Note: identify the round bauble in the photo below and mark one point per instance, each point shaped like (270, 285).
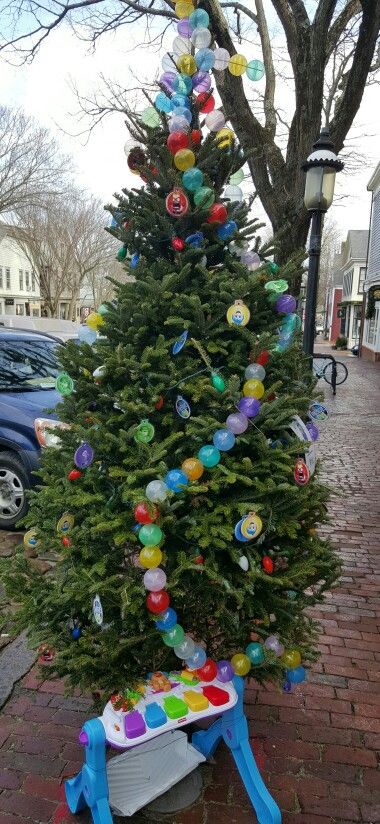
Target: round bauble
(241, 664)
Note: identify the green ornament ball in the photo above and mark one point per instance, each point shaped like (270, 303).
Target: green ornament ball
(150, 535)
(237, 177)
(103, 309)
(64, 384)
(218, 382)
(150, 117)
(174, 636)
(204, 197)
(276, 286)
(273, 268)
(122, 253)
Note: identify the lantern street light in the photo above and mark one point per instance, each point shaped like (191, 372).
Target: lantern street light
(321, 168)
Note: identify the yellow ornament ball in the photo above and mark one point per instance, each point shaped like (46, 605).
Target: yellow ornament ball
(150, 556)
(94, 320)
(253, 388)
(237, 64)
(183, 9)
(225, 138)
(291, 658)
(184, 159)
(193, 468)
(240, 663)
(186, 64)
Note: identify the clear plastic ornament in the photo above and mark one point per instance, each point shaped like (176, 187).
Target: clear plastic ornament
(215, 120)
(181, 45)
(131, 144)
(201, 38)
(178, 124)
(237, 177)
(233, 193)
(238, 248)
(222, 58)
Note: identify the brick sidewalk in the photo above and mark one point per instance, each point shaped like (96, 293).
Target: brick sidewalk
(317, 748)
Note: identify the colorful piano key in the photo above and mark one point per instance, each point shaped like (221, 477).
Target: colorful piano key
(155, 716)
(134, 724)
(216, 696)
(174, 707)
(195, 700)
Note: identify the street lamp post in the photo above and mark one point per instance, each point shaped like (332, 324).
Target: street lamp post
(321, 168)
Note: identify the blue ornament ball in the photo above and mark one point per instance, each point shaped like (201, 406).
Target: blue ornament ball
(87, 335)
(287, 686)
(255, 652)
(209, 455)
(205, 59)
(199, 19)
(195, 240)
(192, 179)
(183, 111)
(197, 659)
(224, 439)
(176, 480)
(134, 260)
(180, 101)
(227, 229)
(167, 620)
(182, 84)
(296, 676)
(76, 632)
(163, 103)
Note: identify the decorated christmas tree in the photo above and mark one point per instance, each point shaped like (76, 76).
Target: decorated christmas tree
(180, 503)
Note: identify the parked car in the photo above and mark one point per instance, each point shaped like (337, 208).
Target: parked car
(64, 330)
(28, 369)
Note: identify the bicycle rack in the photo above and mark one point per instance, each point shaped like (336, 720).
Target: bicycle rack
(321, 356)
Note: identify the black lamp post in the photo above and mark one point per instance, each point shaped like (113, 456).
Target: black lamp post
(321, 168)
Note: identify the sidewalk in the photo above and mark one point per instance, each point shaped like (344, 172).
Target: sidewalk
(318, 747)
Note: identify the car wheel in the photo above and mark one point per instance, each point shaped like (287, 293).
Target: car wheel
(14, 482)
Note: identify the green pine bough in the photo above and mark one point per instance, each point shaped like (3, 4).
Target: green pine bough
(217, 601)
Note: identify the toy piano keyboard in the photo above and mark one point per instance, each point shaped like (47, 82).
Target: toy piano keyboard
(182, 700)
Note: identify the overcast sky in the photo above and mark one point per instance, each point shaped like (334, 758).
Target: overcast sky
(43, 90)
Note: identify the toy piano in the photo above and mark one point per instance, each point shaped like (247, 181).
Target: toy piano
(165, 703)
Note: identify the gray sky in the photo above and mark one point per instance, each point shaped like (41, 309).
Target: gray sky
(43, 90)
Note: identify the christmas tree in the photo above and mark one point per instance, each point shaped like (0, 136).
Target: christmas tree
(181, 502)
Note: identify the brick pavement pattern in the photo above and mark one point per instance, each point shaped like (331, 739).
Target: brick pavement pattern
(318, 747)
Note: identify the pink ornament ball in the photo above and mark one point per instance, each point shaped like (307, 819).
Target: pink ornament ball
(154, 579)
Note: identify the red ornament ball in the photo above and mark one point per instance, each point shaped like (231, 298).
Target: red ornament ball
(126, 224)
(209, 670)
(145, 514)
(267, 564)
(206, 102)
(196, 137)
(199, 559)
(217, 214)
(74, 474)
(177, 141)
(178, 244)
(158, 601)
(263, 358)
(66, 541)
(159, 403)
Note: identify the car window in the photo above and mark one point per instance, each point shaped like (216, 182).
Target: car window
(28, 364)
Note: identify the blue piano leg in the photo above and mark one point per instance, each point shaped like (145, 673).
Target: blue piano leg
(90, 787)
(233, 728)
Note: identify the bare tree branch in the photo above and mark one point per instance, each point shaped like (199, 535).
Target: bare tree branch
(351, 8)
(270, 76)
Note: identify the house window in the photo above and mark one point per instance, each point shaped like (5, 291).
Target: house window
(27, 281)
(347, 284)
(372, 327)
(7, 278)
(20, 309)
(362, 272)
(33, 281)
(1, 277)
(35, 313)
(21, 279)
(356, 323)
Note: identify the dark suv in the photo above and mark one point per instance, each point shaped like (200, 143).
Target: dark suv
(28, 369)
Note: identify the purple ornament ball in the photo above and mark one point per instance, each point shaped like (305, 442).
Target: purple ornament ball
(274, 645)
(167, 79)
(237, 423)
(249, 407)
(313, 429)
(286, 304)
(225, 671)
(201, 82)
(183, 27)
(287, 686)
